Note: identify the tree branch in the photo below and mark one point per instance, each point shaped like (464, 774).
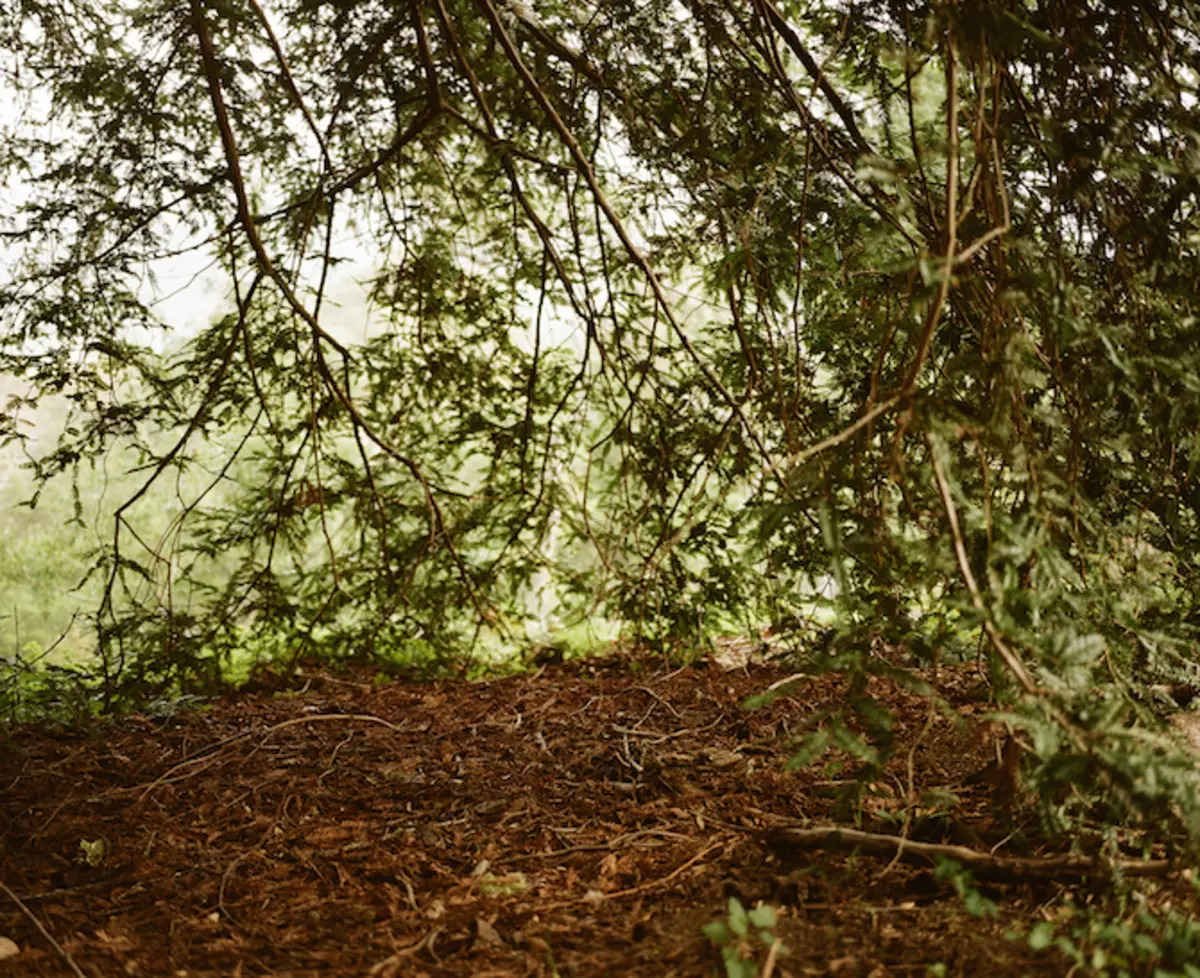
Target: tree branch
(985, 866)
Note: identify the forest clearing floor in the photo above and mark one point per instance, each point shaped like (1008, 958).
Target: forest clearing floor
(586, 819)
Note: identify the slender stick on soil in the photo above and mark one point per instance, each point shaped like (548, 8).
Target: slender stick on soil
(650, 885)
(772, 956)
(405, 952)
(1005, 869)
(209, 753)
(63, 952)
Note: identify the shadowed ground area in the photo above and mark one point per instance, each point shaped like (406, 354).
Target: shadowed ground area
(587, 819)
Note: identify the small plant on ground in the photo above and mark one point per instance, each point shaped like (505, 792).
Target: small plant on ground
(976, 904)
(742, 936)
(1134, 939)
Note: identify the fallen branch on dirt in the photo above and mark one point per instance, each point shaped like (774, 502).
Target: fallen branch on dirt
(390, 965)
(62, 951)
(662, 881)
(620, 842)
(210, 752)
(596, 897)
(985, 866)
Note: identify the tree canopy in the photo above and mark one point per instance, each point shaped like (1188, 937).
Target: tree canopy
(872, 322)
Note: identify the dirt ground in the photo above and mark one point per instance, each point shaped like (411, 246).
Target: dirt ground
(586, 819)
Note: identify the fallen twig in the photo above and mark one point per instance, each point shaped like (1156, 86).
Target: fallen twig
(612, 845)
(62, 951)
(772, 956)
(207, 754)
(393, 961)
(649, 692)
(641, 887)
(1006, 869)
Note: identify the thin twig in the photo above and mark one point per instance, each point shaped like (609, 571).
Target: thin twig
(653, 695)
(1009, 657)
(63, 952)
(796, 458)
(212, 752)
(437, 526)
(586, 170)
(612, 845)
(817, 73)
(951, 221)
(405, 952)
(772, 954)
(642, 887)
(910, 799)
(984, 865)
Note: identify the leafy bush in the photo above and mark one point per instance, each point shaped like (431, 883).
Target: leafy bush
(738, 935)
(1138, 939)
(875, 326)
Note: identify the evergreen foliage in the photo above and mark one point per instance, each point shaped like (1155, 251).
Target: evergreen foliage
(877, 315)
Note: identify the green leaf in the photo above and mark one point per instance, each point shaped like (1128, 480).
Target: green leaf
(1147, 945)
(1041, 935)
(738, 921)
(853, 744)
(717, 932)
(977, 904)
(946, 869)
(810, 749)
(735, 965)
(762, 916)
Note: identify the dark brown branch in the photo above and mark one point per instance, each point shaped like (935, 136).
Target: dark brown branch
(822, 136)
(590, 70)
(62, 951)
(933, 317)
(836, 102)
(786, 842)
(1007, 655)
(196, 420)
(267, 266)
(584, 166)
(290, 82)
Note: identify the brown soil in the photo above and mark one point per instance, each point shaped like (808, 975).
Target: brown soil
(585, 820)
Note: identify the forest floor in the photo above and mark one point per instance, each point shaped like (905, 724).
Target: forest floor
(585, 819)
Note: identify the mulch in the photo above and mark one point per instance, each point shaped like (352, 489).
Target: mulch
(586, 819)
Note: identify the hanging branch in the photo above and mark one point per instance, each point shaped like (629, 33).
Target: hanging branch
(836, 102)
(213, 75)
(951, 222)
(618, 226)
(1009, 657)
